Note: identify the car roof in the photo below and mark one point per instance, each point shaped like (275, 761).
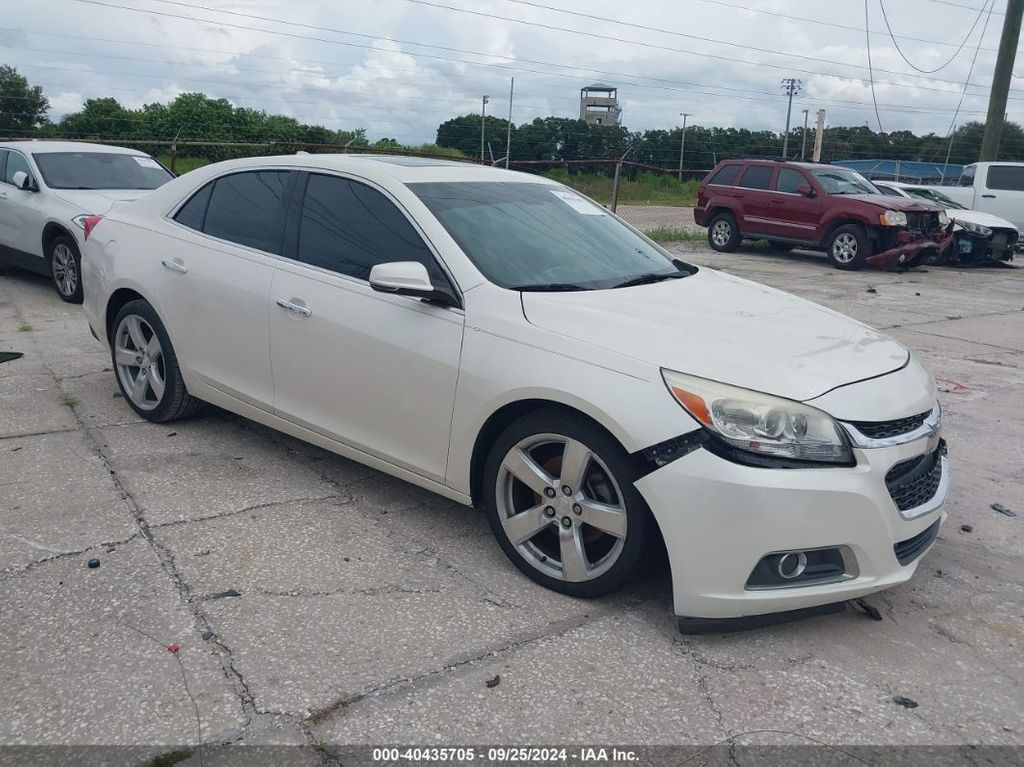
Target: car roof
(402, 168)
(36, 146)
(785, 163)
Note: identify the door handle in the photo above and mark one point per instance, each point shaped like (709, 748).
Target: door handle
(778, 202)
(175, 266)
(293, 308)
(3, 195)
(989, 196)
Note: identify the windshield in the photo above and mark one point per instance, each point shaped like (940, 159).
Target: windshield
(538, 236)
(837, 181)
(932, 196)
(100, 170)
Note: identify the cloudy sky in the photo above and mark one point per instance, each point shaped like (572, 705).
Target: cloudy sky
(399, 67)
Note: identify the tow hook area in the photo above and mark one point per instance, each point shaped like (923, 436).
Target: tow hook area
(905, 256)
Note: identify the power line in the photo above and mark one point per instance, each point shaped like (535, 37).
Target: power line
(911, 64)
(867, 38)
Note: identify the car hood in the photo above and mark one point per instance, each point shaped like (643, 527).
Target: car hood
(726, 329)
(97, 201)
(891, 202)
(982, 219)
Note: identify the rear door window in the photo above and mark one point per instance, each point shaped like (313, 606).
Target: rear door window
(789, 181)
(1008, 177)
(757, 177)
(248, 209)
(726, 176)
(193, 212)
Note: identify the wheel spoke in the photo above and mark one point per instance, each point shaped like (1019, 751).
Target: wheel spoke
(574, 559)
(127, 357)
(156, 383)
(526, 524)
(135, 331)
(526, 470)
(575, 461)
(153, 347)
(138, 390)
(606, 518)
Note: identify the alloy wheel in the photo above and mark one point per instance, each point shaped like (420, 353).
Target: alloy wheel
(844, 248)
(65, 270)
(720, 233)
(561, 507)
(139, 358)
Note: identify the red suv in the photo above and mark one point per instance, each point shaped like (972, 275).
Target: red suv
(821, 207)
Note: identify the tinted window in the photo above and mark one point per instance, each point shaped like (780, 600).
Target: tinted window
(789, 180)
(1009, 177)
(247, 208)
(193, 213)
(757, 177)
(348, 227)
(100, 170)
(726, 176)
(15, 162)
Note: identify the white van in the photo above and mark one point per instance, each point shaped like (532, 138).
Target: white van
(992, 187)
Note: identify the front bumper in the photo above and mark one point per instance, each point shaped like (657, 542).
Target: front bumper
(910, 252)
(719, 519)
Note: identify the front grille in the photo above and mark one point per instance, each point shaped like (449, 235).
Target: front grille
(914, 482)
(909, 550)
(886, 429)
(922, 222)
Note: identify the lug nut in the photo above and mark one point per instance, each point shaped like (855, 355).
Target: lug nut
(566, 490)
(549, 492)
(549, 511)
(566, 522)
(577, 509)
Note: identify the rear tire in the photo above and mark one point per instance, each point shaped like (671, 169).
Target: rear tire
(146, 366)
(723, 234)
(581, 529)
(849, 247)
(65, 264)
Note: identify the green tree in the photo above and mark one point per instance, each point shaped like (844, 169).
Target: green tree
(22, 106)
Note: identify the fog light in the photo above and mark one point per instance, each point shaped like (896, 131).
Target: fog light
(791, 565)
(903, 257)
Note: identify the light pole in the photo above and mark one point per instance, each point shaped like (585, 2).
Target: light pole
(682, 144)
(483, 122)
(803, 143)
(791, 86)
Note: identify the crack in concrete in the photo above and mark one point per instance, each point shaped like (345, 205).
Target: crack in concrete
(36, 433)
(369, 592)
(13, 572)
(250, 509)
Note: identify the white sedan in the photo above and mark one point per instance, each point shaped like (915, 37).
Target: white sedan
(501, 340)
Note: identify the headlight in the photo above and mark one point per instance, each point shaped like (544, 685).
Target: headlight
(760, 423)
(80, 220)
(943, 219)
(893, 218)
(978, 229)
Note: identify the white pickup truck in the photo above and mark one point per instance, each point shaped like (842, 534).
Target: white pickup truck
(991, 187)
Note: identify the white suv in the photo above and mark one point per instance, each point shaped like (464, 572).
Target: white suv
(49, 189)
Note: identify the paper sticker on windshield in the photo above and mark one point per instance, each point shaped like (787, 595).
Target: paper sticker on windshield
(577, 203)
(146, 162)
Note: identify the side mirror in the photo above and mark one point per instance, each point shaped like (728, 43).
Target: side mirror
(22, 180)
(407, 278)
(805, 190)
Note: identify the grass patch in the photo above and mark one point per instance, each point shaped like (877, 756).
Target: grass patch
(171, 758)
(183, 164)
(671, 234)
(69, 401)
(25, 327)
(646, 188)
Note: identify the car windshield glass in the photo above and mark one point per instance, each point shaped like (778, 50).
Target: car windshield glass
(836, 181)
(933, 196)
(100, 170)
(543, 237)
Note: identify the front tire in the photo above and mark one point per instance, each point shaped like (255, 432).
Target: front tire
(723, 234)
(66, 268)
(559, 495)
(146, 366)
(849, 247)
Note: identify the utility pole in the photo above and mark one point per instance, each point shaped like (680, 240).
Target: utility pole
(1001, 80)
(508, 138)
(682, 144)
(483, 122)
(791, 86)
(819, 135)
(803, 142)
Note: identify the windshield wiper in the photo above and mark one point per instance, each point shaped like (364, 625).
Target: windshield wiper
(647, 279)
(549, 287)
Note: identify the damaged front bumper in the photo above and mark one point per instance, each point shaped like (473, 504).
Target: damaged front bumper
(910, 252)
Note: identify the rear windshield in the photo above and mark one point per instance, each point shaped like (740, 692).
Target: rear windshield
(100, 170)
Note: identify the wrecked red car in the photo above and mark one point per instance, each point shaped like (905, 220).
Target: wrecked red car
(818, 207)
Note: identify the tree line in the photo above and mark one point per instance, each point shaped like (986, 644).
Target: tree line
(554, 140)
